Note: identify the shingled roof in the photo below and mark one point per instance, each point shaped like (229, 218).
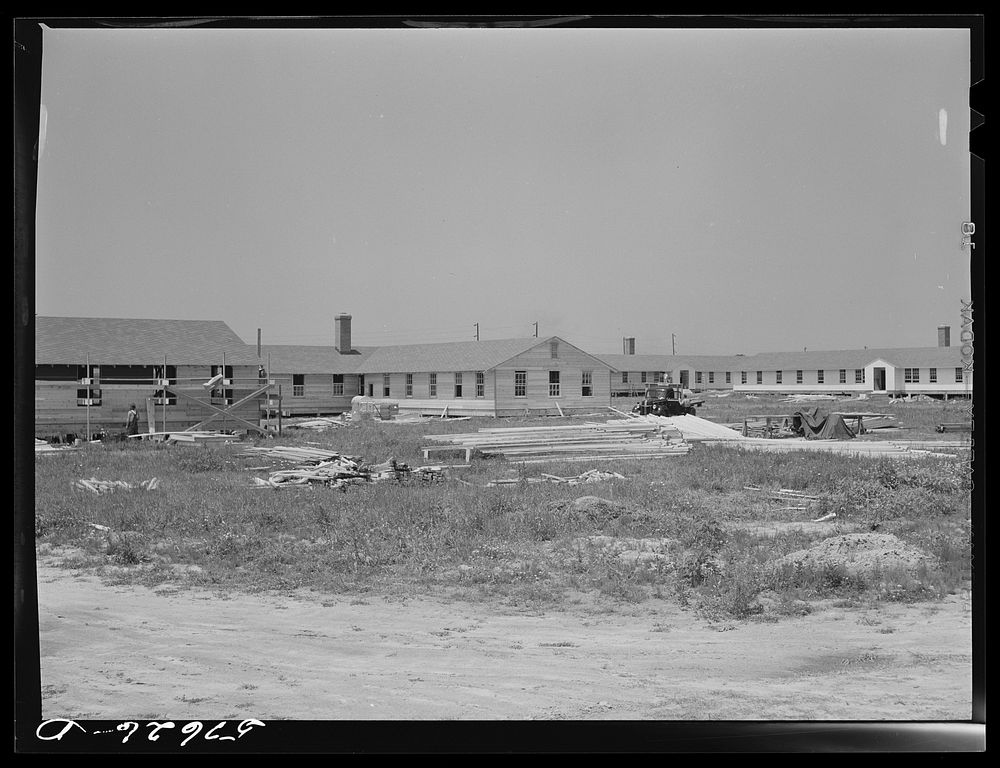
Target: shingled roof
(452, 355)
(295, 358)
(911, 357)
(130, 341)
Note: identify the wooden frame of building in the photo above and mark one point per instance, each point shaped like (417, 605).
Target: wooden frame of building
(89, 370)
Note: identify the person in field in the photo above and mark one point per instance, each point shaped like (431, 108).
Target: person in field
(132, 421)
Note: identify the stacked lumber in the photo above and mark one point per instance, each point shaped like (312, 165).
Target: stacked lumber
(616, 439)
(200, 438)
(108, 486)
(692, 428)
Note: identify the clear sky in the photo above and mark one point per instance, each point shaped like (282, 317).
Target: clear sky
(746, 190)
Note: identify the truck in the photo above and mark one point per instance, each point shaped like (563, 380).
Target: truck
(667, 400)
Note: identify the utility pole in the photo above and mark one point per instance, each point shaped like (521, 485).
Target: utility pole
(673, 343)
(477, 331)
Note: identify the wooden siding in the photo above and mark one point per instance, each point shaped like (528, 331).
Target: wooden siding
(317, 398)
(537, 362)
(57, 412)
(421, 388)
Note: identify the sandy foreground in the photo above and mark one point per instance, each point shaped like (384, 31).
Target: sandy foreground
(114, 652)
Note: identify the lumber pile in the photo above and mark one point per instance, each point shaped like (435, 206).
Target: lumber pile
(108, 486)
(298, 454)
(693, 428)
(615, 439)
(200, 438)
(319, 424)
(336, 471)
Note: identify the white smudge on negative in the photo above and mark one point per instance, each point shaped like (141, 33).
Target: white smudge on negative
(943, 126)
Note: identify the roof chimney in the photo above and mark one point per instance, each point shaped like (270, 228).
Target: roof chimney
(628, 345)
(342, 333)
(944, 336)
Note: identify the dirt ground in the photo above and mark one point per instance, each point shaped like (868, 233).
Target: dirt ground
(113, 652)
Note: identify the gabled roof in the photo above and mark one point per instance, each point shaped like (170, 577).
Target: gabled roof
(295, 358)
(642, 362)
(130, 341)
(912, 357)
(673, 362)
(453, 355)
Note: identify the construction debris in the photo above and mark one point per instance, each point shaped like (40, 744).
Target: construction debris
(632, 438)
(342, 471)
(590, 476)
(108, 486)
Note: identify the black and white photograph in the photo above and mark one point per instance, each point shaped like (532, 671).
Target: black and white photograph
(508, 370)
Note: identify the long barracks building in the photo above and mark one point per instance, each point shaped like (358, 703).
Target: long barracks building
(181, 373)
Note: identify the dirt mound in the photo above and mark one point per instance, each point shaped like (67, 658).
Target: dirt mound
(592, 508)
(858, 553)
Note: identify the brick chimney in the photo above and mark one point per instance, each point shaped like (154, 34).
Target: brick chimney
(944, 336)
(342, 333)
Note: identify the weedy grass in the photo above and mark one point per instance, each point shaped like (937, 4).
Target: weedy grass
(207, 525)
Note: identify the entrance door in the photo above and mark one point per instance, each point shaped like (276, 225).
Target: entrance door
(878, 379)
(684, 379)
(371, 390)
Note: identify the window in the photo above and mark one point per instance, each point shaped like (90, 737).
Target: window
(385, 385)
(729, 378)
(859, 376)
(911, 375)
(553, 383)
(432, 385)
(298, 384)
(587, 384)
(554, 349)
(958, 376)
(658, 377)
(777, 377)
(743, 377)
(642, 377)
(760, 377)
(697, 377)
(158, 398)
(480, 384)
(798, 377)
(711, 377)
(458, 384)
(408, 391)
(819, 376)
(338, 384)
(932, 375)
(520, 383)
(85, 397)
(624, 377)
(843, 375)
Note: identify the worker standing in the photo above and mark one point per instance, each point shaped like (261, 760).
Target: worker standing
(132, 421)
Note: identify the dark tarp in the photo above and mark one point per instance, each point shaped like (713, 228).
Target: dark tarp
(821, 426)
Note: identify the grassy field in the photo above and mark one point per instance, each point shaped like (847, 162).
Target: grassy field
(683, 527)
